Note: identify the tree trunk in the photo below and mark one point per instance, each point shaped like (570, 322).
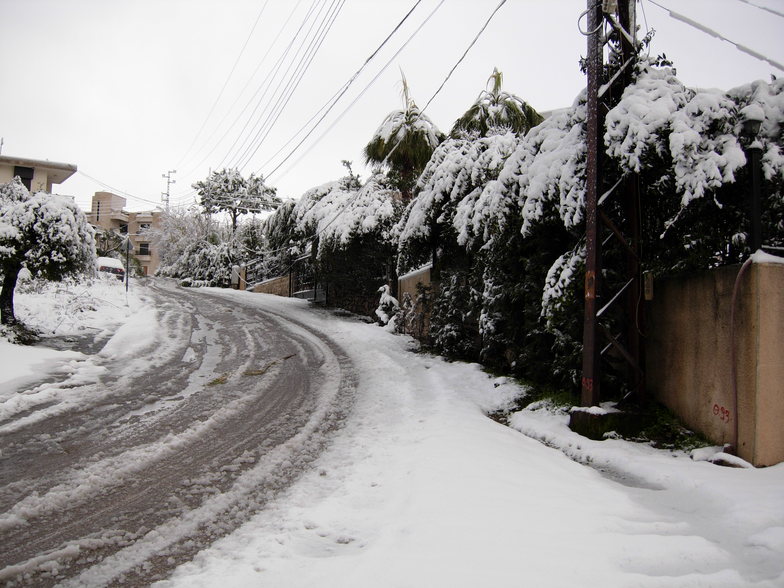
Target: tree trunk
(10, 274)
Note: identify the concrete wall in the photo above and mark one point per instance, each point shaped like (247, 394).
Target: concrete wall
(418, 324)
(154, 219)
(45, 174)
(408, 282)
(108, 213)
(689, 360)
(39, 183)
(278, 286)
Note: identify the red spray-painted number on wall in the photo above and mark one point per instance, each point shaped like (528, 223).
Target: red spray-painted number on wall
(721, 412)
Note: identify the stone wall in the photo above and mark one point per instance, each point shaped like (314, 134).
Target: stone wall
(279, 286)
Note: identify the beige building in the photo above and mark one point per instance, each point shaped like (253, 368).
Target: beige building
(36, 175)
(108, 213)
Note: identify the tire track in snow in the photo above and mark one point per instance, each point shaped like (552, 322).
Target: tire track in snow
(179, 478)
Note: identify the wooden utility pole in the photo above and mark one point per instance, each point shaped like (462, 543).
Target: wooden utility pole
(626, 344)
(590, 379)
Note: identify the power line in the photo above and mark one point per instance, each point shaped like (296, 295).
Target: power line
(117, 191)
(358, 193)
(220, 125)
(300, 74)
(342, 114)
(771, 10)
(225, 83)
(459, 61)
(287, 84)
(337, 96)
(266, 86)
(712, 33)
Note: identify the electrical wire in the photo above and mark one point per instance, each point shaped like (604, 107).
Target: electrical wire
(267, 86)
(339, 94)
(286, 77)
(356, 99)
(771, 10)
(350, 201)
(225, 83)
(647, 29)
(228, 128)
(116, 191)
(290, 88)
(293, 88)
(579, 20)
(459, 61)
(708, 31)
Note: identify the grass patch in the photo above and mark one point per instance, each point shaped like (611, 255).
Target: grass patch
(222, 379)
(262, 371)
(652, 424)
(663, 430)
(557, 396)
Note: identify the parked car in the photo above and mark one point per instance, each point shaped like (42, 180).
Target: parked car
(110, 265)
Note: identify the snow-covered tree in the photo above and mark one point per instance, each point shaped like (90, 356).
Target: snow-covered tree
(496, 111)
(228, 191)
(179, 229)
(348, 227)
(45, 233)
(505, 214)
(403, 144)
(351, 226)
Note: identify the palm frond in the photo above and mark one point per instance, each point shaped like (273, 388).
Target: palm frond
(496, 111)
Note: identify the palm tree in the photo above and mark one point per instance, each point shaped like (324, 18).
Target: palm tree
(403, 144)
(496, 111)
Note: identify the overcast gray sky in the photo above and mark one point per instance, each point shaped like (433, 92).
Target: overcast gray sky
(123, 88)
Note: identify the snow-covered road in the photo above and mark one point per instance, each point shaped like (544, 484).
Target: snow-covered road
(144, 454)
(418, 487)
(421, 488)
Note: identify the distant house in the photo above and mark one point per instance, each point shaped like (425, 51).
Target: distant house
(36, 175)
(108, 213)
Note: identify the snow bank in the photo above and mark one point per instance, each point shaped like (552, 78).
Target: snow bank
(62, 312)
(22, 364)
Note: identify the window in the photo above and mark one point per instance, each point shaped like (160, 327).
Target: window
(144, 227)
(25, 174)
(144, 248)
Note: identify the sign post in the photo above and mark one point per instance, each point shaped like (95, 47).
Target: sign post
(128, 247)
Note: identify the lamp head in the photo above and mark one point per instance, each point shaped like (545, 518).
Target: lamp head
(751, 118)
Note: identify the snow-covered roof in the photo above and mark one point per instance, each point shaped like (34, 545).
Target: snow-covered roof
(56, 171)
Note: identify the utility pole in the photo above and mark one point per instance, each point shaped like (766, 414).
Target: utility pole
(169, 182)
(622, 333)
(590, 381)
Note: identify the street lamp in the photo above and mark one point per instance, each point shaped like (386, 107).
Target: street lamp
(751, 120)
